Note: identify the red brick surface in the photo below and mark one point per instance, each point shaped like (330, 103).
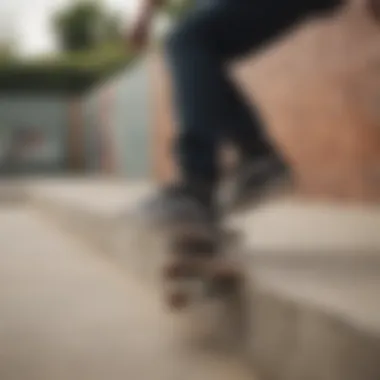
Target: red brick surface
(319, 92)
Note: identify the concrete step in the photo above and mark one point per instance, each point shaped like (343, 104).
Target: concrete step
(12, 191)
(313, 276)
(89, 208)
(66, 314)
(309, 305)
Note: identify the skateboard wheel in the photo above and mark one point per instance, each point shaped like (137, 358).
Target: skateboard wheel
(227, 277)
(178, 300)
(178, 270)
(173, 271)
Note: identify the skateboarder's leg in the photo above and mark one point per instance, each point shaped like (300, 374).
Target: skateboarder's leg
(208, 105)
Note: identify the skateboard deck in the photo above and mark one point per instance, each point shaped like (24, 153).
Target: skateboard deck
(200, 266)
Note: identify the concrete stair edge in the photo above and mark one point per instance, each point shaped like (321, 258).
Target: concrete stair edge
(12, 191)
(285, 338)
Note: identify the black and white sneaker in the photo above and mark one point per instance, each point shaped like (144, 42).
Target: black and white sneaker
(189, 208)
(255, 179)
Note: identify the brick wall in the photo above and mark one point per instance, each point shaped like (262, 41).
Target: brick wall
(319, 92)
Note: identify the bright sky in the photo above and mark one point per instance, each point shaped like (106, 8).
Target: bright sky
(30, 21)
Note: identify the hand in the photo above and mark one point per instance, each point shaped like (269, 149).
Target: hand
(139, 36)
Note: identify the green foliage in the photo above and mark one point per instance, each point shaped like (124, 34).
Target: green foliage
(68, 74)
(92, 49)
(89, 58)
(85, 24)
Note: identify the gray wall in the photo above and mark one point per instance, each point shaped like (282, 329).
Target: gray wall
(92, 127)
(46, 115)
(120, 107)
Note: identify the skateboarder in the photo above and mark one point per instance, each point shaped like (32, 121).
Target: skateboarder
(209, 105)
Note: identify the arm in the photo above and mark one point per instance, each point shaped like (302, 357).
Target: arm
(140, 32)
(148, 9)
(150, 6)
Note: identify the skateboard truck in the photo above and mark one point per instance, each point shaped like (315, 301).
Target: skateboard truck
(201, 260)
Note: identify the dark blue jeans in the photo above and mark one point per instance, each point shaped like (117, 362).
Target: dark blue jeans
(210, 108)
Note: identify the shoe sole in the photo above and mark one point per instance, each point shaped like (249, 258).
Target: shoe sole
(272, 187)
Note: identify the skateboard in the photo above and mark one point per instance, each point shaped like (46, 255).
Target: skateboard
(200, 266)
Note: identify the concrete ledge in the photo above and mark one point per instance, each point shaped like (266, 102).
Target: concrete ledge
(304, 228)
(309, 308)
(290, 340)
(313, 285)
(89, 208)
(12, 191)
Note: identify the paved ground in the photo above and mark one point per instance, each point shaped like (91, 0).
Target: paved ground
(307, 251)
(67, 315)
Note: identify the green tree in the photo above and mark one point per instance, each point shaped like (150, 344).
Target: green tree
(85, 24)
